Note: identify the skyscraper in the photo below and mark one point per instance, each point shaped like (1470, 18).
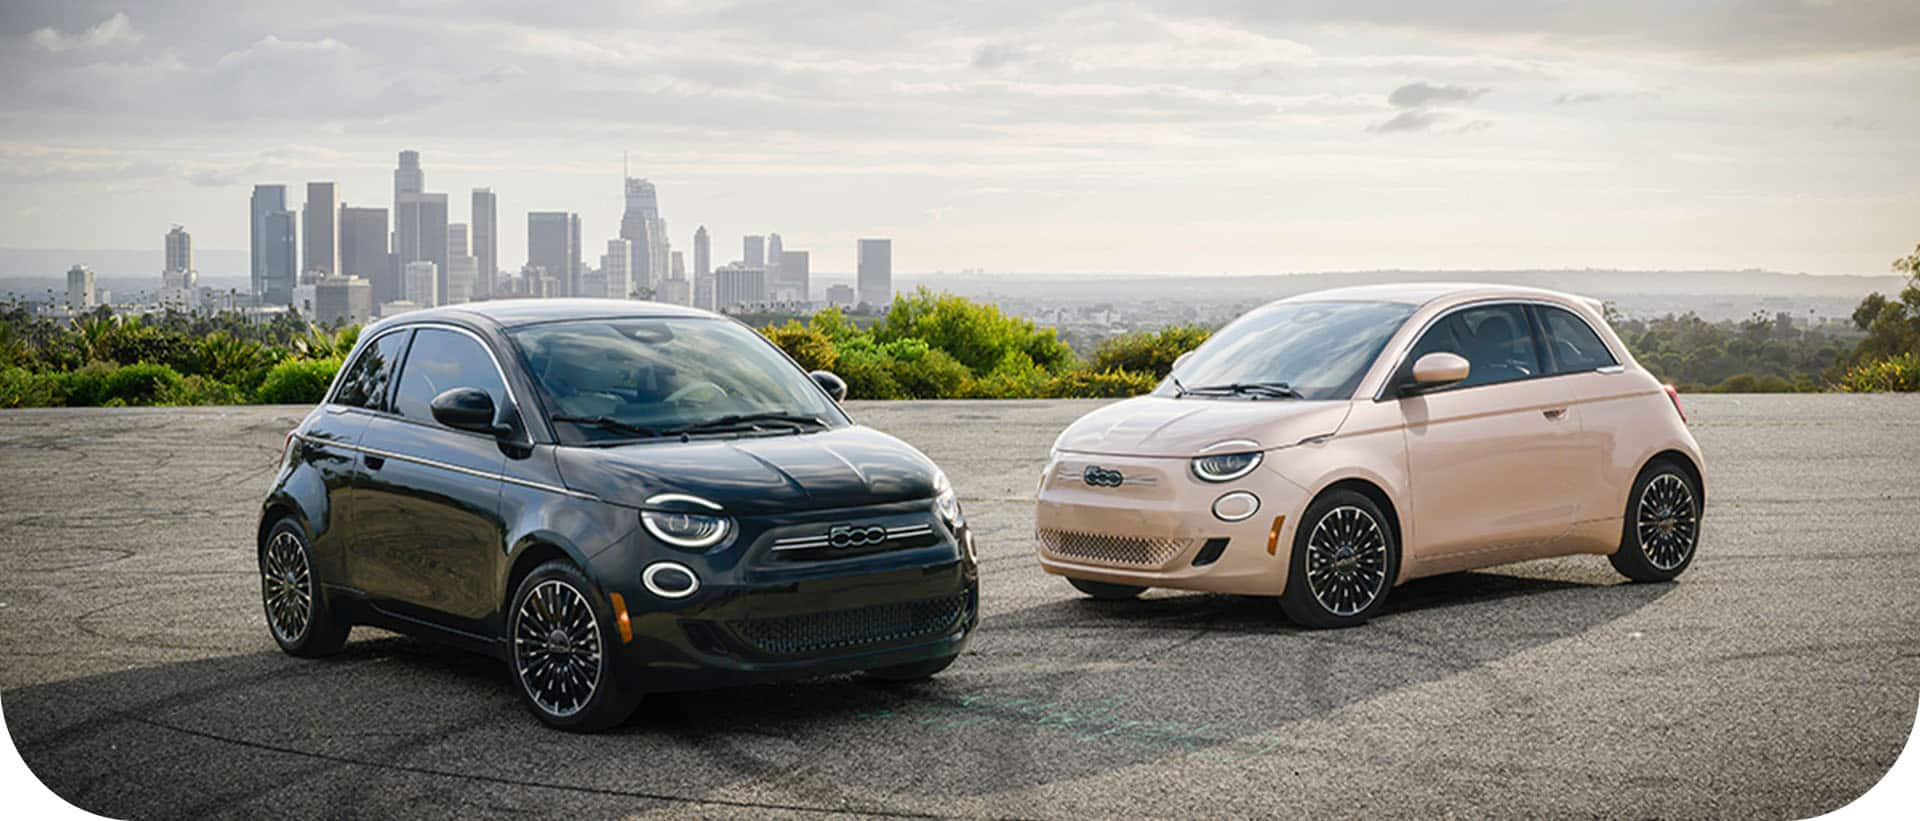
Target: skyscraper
(408, 178)
(80, 292)
(178, 280)
(339, 300)
(363, 251)
(753, 251)
(273, 245)
(575, 260)
(642, 226)
(774, 249)
(462, 267)
(420, 233)
(795, 271)
(422, 283)
(486, 241)
(550, 247)
(702, 253)
(614, 269)
(179, 250)
(322, 218)
(738, 284)
(876, 272)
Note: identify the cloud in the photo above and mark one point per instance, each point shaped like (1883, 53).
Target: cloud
(1417, 119)
(114, 31)
(1415, 95)
(990, 56)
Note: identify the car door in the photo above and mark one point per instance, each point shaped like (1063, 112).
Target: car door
(1606, 401)
(427, 507)
(330, 444)
(1489, 459)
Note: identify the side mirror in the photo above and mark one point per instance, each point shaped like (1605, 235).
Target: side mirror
(1439, 368)
(1180, 360)
(833, 385)
(469, 409)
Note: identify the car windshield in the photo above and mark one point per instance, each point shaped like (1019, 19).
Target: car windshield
(1289, 350)
(624, 379)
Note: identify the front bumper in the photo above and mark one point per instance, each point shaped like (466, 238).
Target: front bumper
(1154, 528)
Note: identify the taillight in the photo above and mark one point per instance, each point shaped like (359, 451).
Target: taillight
(1674, 395)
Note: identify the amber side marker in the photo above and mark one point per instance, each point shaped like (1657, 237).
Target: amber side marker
(620, 616)
(1273, 536)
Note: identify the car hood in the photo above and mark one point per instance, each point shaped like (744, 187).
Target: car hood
(1163, 426)
(845, 467)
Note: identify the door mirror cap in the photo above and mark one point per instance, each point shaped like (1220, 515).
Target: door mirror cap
(1180, 360)
(469, 409)
(1439, 368)
(833, 385)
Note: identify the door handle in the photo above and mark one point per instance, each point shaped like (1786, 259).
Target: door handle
(1554, 414)
(374, 462)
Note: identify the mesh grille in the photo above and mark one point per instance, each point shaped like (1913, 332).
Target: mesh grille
(845, 629)
(1105, 549)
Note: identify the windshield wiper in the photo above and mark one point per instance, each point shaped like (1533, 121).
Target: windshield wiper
(748, 420)
(608, 423)
(1279, 390)
(1179, 390)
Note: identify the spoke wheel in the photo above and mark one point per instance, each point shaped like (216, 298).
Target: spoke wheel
(1346, 560)
(286, 586)
(556, 648)
(1666, 522)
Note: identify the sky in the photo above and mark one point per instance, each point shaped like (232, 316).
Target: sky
(1194, 137)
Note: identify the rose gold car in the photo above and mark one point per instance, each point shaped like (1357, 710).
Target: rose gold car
(1327, 447)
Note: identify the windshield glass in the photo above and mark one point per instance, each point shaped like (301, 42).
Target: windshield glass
(1318, 349)
(624, 379)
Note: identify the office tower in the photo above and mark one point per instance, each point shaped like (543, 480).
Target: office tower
(80, 293)
(703, 292)
(274, 248)
(363, 251)
(422, 283)
(796, 268)
(642, 225)
(876, 272)
(551, 247)
(322, 225)
(677, 266)
(576, 262)
(738, 284)
(178, 280)
(486, 241)
(615, 271)
(420, 233)
(840, 296)
(702, 253)
(462, 267)
(179, 250)
(457, 239)
(408, 178)
(342, 300)
(753, 251)
(774, 250)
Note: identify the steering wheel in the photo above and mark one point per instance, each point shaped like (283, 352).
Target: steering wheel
(686, 391)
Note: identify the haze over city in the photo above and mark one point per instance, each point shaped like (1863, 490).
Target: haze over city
(1150, 138)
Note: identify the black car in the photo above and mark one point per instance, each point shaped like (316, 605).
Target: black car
(615, 498)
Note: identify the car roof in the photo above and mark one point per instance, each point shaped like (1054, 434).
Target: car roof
(1422, 293)
(508, 313)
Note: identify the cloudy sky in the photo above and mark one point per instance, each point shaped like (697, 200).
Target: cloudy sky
(1178, 137)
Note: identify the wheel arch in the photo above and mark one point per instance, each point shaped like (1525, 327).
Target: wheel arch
(1685, 462)
(533, 550)
(1379, 496)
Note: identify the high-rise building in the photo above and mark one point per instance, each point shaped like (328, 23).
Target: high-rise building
(792, 284)
(178, 280)
(81, 295)
(840, 296)
(342, 300)
(462, 267)
(408, 178)
(486, 241)
(615, 272)
(642, 225)
(179, 250)
(363, 251)
(576, 260)
(551, 247)
(774, 250)
(422, 283)
(273, 246)
(703, 292)
(420, 233)
(876, 272)
(322, 225)
(753, 251)
(677, 266)
(736, 284)
(702, 253)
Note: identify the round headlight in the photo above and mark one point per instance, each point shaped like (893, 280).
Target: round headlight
(947, 501)
(1225, 467)
(682, 528)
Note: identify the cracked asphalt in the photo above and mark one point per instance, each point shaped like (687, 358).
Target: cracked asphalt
(1776, 678)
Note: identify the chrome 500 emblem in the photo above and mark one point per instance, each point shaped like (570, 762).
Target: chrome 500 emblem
(856, 536)
(1097, 476)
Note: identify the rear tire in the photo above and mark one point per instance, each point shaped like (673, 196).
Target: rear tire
(912, 672)
(1344, 560)
(559, 635)
(298, 616)
(1105, 591)
(1661, 530)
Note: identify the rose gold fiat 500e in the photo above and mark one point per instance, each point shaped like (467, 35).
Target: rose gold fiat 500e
(1327, 447)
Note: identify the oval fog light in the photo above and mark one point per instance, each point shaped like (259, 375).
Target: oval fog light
(1236, 506)
(670, 580)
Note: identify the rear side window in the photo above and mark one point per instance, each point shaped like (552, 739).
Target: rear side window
(1576, 348)
(1496, 340)
(365, 384)
(441, 360)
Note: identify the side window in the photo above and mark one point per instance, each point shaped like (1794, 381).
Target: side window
(365, 385)
(439, 361)
(1575, 346)
(1496, 340)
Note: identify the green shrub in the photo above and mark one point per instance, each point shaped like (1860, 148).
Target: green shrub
(976, 334)
(142, 383)
(22, 388)
(811, 348)
(1149, 352)
(932, 375)
(199, 390)
(1097, 384)
(84, 386)
(297, 382)
(1895, 373)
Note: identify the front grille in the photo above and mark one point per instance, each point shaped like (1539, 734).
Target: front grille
(853, 628)
(1104, 549)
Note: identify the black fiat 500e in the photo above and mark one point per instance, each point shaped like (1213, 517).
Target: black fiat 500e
(615, 498)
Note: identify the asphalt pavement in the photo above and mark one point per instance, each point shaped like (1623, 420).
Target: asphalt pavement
(1777, 678)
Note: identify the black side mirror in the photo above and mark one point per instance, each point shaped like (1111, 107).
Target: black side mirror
(468, 409)
(833, 385)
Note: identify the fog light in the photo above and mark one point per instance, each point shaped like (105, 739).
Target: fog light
(670, 580)
(1236, 506)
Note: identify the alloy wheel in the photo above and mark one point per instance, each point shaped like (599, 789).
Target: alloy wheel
(286, 585)
(1665, 522)
(556, 648)
(1346, 560)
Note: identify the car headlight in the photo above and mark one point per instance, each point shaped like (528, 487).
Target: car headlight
(682, 528)
(1225, 467)
(946, 500)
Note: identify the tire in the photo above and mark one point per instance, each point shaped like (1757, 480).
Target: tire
(909, 673)
(1661, 528)
(298, 615)
(559, 633)
(1350, 544)
(1104, 591)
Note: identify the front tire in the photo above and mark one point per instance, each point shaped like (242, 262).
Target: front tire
(1344, 559)
(298, 615)
(559, 634)
(1105, 591)
(1662, 526)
